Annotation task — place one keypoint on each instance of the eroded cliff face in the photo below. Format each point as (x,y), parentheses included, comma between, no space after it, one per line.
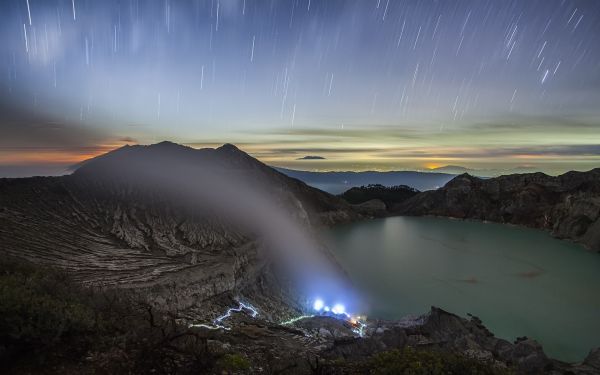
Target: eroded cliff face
(107,229)
(567,205)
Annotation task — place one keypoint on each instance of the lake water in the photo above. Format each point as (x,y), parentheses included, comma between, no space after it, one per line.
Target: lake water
(520,282)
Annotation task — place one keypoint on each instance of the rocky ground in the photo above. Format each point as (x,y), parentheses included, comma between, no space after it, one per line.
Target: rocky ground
(332,345)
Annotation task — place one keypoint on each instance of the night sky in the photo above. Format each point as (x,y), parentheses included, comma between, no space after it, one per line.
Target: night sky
(380,84)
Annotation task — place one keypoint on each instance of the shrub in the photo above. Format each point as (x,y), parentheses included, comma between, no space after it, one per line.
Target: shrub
(409,361)
(233,362)
(49,323)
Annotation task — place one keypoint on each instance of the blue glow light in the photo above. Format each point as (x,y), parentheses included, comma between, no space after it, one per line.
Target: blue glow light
(318,305)
(218,322)
(338,308)
(294,320)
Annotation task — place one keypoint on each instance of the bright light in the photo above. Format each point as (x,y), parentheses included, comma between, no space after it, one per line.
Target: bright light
(318,305)
(326,308)
(218,322)
(338,309)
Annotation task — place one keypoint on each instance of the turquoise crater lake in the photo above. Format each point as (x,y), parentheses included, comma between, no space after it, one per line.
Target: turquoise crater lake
(520,282)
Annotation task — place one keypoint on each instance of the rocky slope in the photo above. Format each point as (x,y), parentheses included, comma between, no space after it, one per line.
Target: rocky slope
(568,206)
(437,330)
(106,228)
(51,325)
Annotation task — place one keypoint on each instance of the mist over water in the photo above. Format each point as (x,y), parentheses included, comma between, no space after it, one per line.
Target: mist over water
(520,282)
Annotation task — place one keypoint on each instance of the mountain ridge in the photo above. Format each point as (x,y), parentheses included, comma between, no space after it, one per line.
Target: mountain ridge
(337,182)
(568,205)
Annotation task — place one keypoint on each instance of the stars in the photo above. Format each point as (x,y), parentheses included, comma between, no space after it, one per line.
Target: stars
(87,52)
(312,62)
(417,38)
(512,100)
(414,79)
(25,37)
(577,23)
(293,116)
(202,77)
(542,49)
(556,68)
(545,75)
(217,23)
(572,15)
(401,32)
(28,12)
(386,9)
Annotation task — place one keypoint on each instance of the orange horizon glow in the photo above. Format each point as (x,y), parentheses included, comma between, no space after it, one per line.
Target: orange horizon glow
(432,165)
(287,156)
(50,156)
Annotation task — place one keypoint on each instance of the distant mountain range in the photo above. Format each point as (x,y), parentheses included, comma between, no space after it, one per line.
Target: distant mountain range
(339,182)
(489,172)
(452,169)
(335,182)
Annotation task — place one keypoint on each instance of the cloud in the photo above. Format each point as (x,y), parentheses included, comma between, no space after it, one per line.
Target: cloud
(550,150)
(37,143)
(498,152)
(311,157)
(28,129)
(554,144)
(365,131)
(128,140)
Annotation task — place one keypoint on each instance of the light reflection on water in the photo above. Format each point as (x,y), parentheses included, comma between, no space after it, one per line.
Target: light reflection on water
(520,282)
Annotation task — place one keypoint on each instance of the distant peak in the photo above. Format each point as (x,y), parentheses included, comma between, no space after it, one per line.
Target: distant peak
(452,167)
(167,144)
(231,150)
(228,147)
(465,175)
(461,178)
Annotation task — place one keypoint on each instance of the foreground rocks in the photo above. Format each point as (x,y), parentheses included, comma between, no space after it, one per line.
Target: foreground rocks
(330,344)
(48,324)
(568,206)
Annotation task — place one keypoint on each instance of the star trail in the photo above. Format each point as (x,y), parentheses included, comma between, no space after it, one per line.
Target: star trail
(382,84)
